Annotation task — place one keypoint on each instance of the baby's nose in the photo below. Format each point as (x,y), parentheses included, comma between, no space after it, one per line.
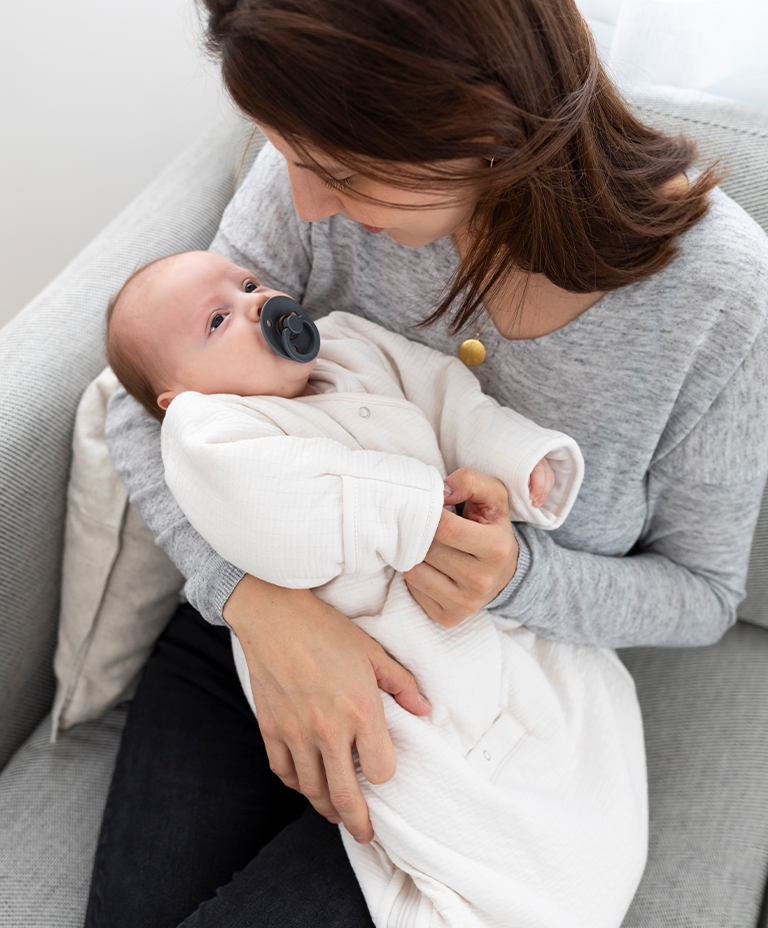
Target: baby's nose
(254,305)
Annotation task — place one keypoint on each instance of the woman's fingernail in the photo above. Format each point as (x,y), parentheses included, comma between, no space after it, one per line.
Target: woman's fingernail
(334,819)
(425,702)
(361,840)
(447,489)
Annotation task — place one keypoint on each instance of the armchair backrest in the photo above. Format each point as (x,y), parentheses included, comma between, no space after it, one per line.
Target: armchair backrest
(48,355)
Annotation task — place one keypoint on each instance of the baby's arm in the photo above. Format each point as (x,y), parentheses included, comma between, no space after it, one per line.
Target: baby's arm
(296,512)
(472,429)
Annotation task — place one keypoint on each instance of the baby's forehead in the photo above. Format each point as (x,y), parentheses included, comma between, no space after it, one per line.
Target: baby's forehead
(163,285)
(157,272)
(146,290)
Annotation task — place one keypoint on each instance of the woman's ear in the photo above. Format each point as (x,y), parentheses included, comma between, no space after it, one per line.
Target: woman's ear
(164,400)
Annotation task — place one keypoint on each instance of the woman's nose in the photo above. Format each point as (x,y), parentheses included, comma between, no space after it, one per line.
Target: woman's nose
(312,199)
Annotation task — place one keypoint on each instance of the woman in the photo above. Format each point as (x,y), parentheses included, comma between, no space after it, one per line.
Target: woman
(450,163)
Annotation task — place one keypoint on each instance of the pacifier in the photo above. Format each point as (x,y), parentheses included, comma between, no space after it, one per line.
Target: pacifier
(288,329)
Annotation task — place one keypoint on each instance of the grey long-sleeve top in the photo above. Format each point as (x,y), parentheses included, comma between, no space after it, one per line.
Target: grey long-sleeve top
(663,383)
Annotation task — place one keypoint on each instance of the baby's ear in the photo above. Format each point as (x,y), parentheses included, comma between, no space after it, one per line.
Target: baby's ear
(164,400)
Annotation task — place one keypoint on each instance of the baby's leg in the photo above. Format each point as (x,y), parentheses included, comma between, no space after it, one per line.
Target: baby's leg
(541,820)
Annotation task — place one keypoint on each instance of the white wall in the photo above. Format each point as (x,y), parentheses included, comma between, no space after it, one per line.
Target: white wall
(96,97)
(716,47)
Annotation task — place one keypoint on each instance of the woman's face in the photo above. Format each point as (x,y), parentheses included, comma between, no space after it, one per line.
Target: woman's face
(316,196)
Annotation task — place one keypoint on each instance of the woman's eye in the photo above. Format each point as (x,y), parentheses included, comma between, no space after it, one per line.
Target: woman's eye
(217,320)
(250,286)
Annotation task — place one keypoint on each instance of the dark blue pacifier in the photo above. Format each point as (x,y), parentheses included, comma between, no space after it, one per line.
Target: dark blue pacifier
(288,329)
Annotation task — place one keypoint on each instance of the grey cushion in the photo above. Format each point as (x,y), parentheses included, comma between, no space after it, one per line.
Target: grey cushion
(706,719)
(51,802)
(48,354)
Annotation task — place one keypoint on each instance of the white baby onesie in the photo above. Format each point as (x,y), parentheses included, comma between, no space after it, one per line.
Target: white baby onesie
(520,802)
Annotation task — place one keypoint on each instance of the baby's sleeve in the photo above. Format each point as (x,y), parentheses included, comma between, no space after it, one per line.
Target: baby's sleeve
(473,430)
(294,511)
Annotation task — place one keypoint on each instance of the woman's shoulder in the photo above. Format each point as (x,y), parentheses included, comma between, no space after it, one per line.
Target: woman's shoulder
(713,298)
(712,303)
(264,196)
(724,257)
(261,230)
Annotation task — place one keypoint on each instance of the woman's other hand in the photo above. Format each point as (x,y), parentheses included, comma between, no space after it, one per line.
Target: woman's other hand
(472,558)
(315,678)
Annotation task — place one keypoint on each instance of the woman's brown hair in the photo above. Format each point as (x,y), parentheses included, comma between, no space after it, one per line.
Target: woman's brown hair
(578,190)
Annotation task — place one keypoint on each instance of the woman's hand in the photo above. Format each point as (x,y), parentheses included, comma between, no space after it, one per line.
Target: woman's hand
(315,678)
(471,559)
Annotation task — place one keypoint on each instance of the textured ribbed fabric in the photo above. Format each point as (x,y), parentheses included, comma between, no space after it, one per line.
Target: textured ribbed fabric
(48,354)
(51,802)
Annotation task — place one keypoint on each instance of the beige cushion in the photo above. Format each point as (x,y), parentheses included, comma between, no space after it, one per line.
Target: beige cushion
(118,588)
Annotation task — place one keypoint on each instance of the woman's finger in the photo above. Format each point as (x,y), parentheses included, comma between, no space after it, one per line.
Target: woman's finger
(432,582)
(446,602)
(488,496)
(281,762)
(394,679)
(345,795)
(312,780)
(480,540)
(472,557)
(434,609)
(376,754)
(482,573)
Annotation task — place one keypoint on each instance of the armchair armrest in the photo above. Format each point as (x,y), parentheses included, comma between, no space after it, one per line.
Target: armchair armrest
(48,355)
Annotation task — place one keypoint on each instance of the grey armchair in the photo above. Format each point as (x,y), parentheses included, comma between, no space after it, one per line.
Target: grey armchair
(706,710)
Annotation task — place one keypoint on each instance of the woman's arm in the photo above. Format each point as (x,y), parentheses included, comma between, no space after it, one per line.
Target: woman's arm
(133,438)
(682,581)
(310,729)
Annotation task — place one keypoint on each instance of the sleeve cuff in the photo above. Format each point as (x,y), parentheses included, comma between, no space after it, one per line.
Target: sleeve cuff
(523,563)
(211,587)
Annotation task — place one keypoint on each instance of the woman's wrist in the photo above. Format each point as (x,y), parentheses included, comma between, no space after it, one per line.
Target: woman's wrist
(521,569)
(252,598)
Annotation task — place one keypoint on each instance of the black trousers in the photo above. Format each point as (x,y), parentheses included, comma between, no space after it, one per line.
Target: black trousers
(197,830)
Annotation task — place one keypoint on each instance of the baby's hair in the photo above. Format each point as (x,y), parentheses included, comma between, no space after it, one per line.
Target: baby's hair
(137,373)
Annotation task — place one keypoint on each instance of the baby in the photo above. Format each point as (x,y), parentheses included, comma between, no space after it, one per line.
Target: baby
(522,795)
(158,353)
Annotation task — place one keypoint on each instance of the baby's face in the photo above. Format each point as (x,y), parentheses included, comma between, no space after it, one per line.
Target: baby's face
(199,315)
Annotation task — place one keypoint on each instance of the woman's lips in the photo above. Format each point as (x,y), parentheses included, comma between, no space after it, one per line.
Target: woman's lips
(373,229)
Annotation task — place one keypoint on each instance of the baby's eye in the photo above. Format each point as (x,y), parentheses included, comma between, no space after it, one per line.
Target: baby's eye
(216,321)
(250,286)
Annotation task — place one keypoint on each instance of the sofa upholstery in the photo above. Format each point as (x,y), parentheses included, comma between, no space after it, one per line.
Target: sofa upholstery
(706,709)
